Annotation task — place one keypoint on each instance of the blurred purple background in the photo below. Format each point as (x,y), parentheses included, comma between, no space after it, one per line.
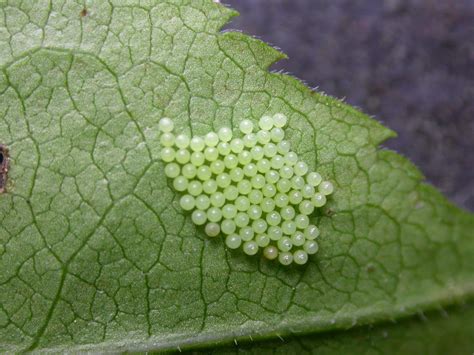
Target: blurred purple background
(409,63)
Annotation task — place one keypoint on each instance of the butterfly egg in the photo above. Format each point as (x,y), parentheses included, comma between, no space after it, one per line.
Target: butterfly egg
(263,137)
(262,240)
(263,165)
(236,174)
(277,162)
(302,221)
(223,148)
(318,200)
(297,182)
(180,183)
(274,233)
(255,197)
(212,229)
(257,153)
(284,185)
(313,178)
(204,173)
(209,186)
(287,213)
(245,157)
(217,167)
(228,226)
(217,199)
(246,126)
(286,172)
(269,190)
(270,150)
(182,141)
(277,135)
(258,181)
(241,219)
(189,171)
(285,258)
(279,120)
(211,139)
(233,241)
(165,125)
(250,140)
(183,156)
(306,207)
(246,233)
(298,239)
(326,188)
(223,180)
(167,139)
(211,154)
(225,134)
(284,244)
(199,217)
(272,176)
(273,218)
(300,168)
(267,205)
(244,187)
(281,200)
(295,197)
(187,202)
(202,202)
(283,147)
(172,170)
(311,232)
(231,193)
(288,227)
(229,211)
(167,154)
(259,226)
(307,191)
(270,252)
(197,144)
(300,257)
(194,188)
(266,123)
(311,247)
(236,145)
(250,248)
(231,161)
(214,214)
(250,170)
(254,212)
(197,159)
(291,158)
(242,203)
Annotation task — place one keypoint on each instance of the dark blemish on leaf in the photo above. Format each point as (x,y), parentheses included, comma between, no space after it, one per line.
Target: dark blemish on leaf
(370,268)
(329,212)
(4,165)
(84,12)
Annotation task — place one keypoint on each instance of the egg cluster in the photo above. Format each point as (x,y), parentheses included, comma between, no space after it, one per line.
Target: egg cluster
(254,189)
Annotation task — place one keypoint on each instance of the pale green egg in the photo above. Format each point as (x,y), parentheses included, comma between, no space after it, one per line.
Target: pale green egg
(233,241)
(165,125)
(266,123)
(270,252)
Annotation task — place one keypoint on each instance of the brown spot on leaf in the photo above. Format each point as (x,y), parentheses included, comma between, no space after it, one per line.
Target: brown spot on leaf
(4,165)
(84,12)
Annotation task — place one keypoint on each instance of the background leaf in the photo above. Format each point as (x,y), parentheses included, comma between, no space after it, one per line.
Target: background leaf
(95,252)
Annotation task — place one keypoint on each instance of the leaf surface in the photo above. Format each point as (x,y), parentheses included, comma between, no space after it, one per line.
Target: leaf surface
(95,253)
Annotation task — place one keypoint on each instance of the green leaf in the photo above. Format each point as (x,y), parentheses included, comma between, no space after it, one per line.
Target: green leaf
(95,253)
(439,332)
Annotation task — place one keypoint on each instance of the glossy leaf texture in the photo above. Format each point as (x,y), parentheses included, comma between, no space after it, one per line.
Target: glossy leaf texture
(95,252)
